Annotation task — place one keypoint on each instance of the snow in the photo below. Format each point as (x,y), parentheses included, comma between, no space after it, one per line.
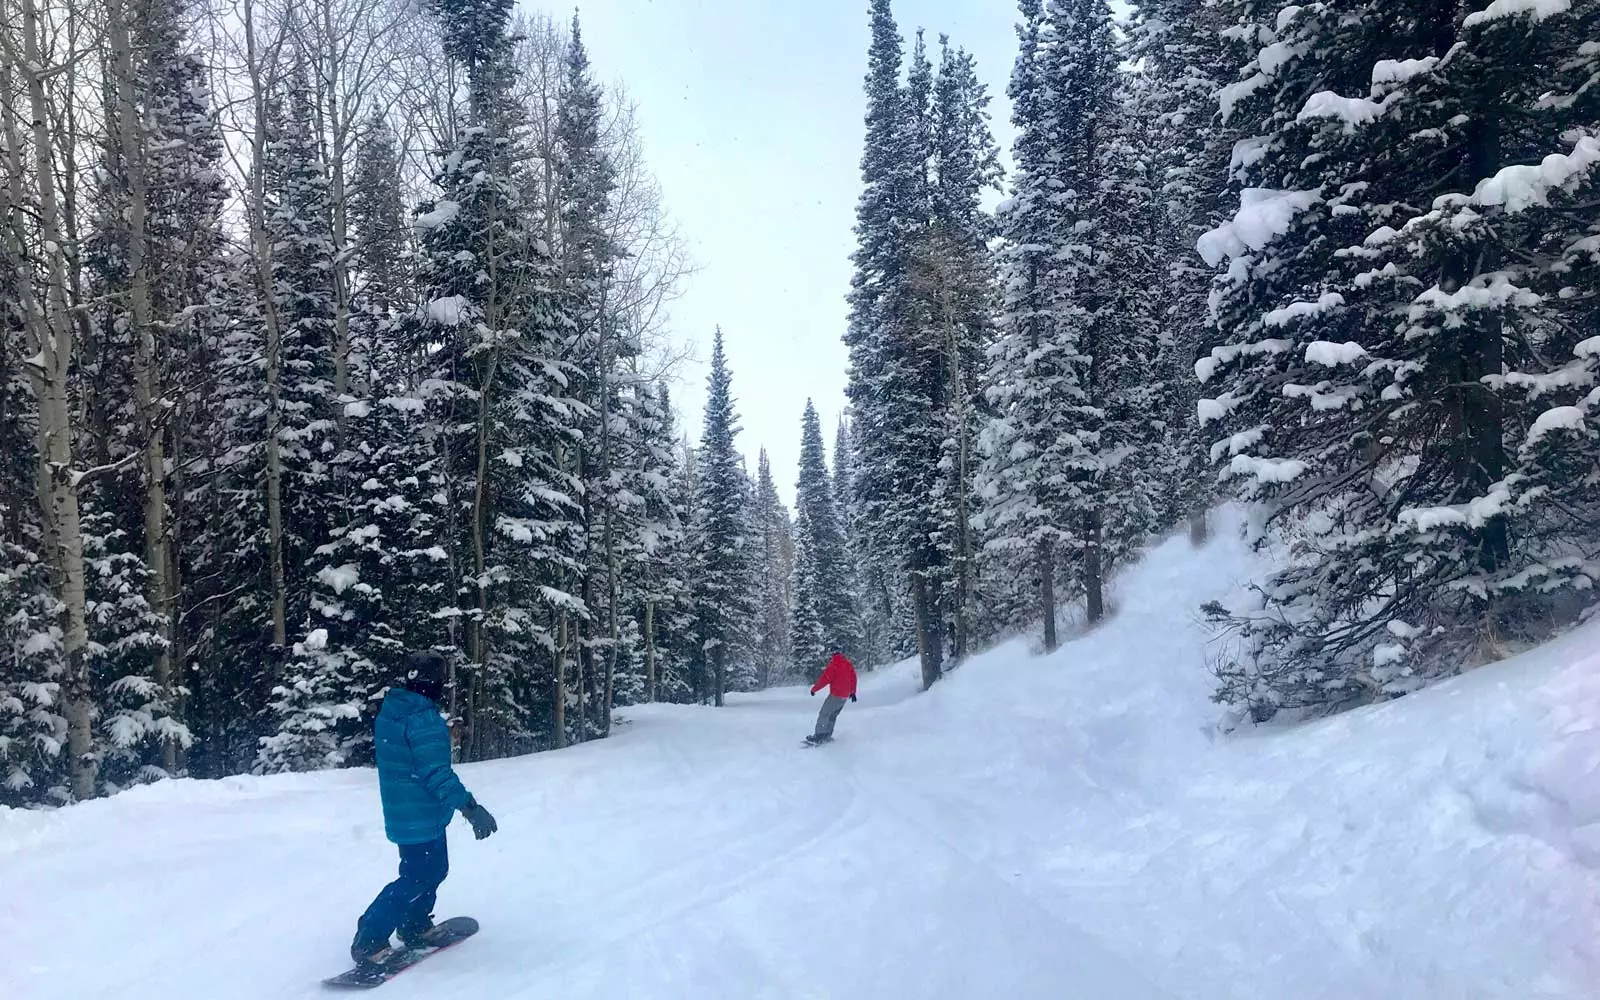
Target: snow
(449,310)
(1035,827)
(1263,216)
(1558,418)
(1537,10)
(1207,410)
(339,578)
(1268,470)
(1474,513)
(1352,111)
(1248,152)
(1331,355)
(442,214)
(1523,186)
(1298,310)
(1388,654)
(316,640)
(1277,55)
(1487,292)
(1228,97)
(1397,71)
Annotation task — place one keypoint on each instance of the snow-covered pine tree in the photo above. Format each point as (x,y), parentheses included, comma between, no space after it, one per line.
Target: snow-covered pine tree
(681,670)
(1131,367)
(232,660)
(499,417)
(1053,382)
(868,635)
(381,279)
(151,263)
(1179,47)
(808,644)
(723,588)
(1397,314)
(135,724)
(896,387)
(587,253)
(952,274)
(773,542)
(33,730)
(646,464)
(316,689)
(823,613)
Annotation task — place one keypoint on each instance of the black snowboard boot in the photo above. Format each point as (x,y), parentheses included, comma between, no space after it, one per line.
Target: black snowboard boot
(368,953)
(420,937)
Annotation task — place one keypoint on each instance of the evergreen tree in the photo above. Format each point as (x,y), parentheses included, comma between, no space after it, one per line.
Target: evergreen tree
(681,671)
(491,335)
(1388,359)
(952,275)
(1053,377)
(655,584)
(1180,46)
(822,603)
(772,575)
(723,585)
(588,255)
(896,387)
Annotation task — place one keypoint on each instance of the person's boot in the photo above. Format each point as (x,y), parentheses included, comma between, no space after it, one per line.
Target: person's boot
(370,952)
(421,936)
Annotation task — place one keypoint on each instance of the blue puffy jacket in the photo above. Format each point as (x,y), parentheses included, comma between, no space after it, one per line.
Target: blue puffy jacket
(420,791)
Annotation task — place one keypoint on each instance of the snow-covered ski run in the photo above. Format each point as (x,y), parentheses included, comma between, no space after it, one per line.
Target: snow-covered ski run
(1061,827)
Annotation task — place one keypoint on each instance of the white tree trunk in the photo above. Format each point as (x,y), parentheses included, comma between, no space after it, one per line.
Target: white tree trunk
(261,246)
(48,324)
(148,380)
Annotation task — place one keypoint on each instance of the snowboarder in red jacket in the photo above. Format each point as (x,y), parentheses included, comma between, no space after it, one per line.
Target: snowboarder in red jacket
(840,679)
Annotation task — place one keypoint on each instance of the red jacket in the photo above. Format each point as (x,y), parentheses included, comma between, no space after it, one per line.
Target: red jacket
(839,678)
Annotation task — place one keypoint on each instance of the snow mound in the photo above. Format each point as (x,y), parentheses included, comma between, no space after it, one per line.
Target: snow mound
(1071,825)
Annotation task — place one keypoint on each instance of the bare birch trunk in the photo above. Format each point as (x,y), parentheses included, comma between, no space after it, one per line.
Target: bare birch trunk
(610,531)
(49,326)
(148,381)
(341,225)
(261,246)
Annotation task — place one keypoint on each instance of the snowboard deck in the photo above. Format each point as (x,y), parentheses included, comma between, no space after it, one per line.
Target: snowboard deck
(449,933)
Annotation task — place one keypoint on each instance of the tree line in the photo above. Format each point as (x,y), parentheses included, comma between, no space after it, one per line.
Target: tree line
(1334,260)
(316,347)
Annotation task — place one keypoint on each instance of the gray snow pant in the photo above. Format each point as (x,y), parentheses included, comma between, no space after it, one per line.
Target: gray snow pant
(831,707)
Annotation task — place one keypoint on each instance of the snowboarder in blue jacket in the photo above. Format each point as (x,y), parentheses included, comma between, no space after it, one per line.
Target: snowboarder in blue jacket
(420,793)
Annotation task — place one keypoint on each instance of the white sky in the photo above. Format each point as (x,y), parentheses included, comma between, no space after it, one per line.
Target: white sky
(751,114)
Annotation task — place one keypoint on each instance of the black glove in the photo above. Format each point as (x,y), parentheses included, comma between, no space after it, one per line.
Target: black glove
(483,824)
(813,694)
(852,697)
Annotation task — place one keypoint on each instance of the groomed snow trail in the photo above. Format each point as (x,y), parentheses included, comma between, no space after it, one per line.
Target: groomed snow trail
(1064,827)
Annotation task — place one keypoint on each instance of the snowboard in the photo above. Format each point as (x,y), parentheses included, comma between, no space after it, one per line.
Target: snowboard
(447,933)
(809,742)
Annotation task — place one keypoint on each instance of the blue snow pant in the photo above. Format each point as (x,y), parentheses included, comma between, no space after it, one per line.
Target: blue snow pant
(406,904)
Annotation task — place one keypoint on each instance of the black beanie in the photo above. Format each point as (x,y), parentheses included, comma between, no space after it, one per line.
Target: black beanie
(425,672)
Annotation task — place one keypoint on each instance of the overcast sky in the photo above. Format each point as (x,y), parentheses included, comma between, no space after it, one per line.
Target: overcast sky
(751,114)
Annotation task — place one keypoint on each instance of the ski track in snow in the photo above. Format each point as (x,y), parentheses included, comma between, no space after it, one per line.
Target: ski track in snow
(1052,827)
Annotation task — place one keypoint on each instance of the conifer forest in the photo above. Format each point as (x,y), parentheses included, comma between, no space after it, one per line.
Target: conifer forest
(333,331)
